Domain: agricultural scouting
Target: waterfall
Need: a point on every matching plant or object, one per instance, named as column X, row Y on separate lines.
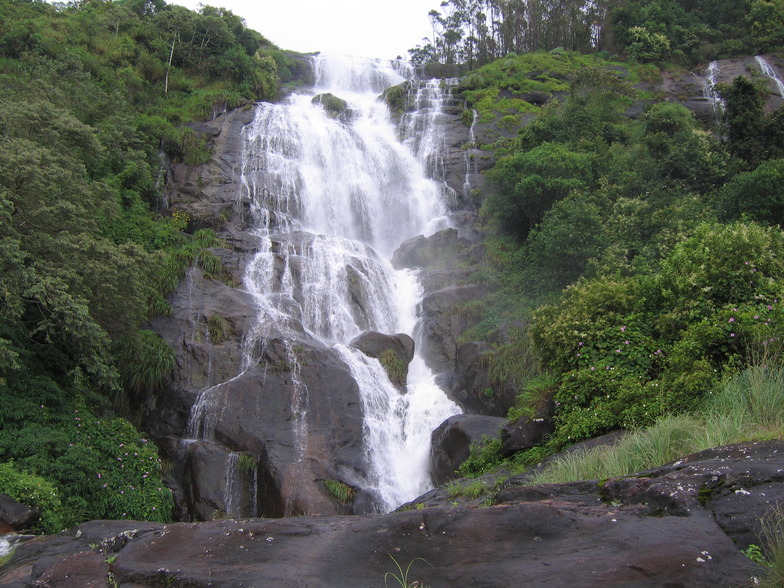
column 420, row 130
column 770, row 71
column 710, row 92
column 233, row 491
column 333, row 194
column 470, row 158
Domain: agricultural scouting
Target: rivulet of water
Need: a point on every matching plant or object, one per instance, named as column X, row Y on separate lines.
column 770, row 71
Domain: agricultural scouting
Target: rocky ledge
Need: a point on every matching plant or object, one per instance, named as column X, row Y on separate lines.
column 683, row 524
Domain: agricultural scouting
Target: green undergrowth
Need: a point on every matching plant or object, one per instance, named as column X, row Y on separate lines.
column 517, row 85
column 395, row 368
column 340, row 491
column 74, row 465
column 747, row 406
column 97, row 99
column 771, row 552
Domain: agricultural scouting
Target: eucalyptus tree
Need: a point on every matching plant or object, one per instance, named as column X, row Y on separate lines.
column 477, row 31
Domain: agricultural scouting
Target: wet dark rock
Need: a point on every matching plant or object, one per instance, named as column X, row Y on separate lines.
column 15, row 515
column 527, row 432
column 472, row 388
column 293, row 401
column 446, row 315
column 438, row 251
column 737, row 484
column 394, row 352
column 658, row 528
column 450, row 443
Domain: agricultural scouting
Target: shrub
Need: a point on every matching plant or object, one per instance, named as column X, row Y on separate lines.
column 146, row 361
column 484, row 456
column 35, row 492
column 746, row 405
column 628, row 350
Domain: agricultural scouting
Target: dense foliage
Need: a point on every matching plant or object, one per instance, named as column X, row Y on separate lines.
column 643, row 254
column 93, row 98
column 640, row 259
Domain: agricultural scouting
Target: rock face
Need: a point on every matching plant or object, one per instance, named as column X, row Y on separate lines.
column 255, row 427
column 679, row 525
column 473, row 389
column 247, row 426
column 15, row 516
column 293, row 417
column 690, row 89
column 451, row 443
column 525, row 433
column 447, row 261
column 394, row 351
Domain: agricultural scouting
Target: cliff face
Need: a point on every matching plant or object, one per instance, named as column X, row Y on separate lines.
column 269, row 425
column 689, row 88
column 258, row 406
column 250, row 411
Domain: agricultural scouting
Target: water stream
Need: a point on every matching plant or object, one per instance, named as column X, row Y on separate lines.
column 710, row 92
column 333, row 194
column 770, row 71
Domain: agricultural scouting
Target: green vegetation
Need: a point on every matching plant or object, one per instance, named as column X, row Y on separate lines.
column 513, row 89
column 476, row 32
column 334, row 105
column 772, row 554
column 219, row 329
column 746, row 406
column 247, row 464
column 401, row 578
column 395, row 368
column 94, row 94
column 643, row 255
column 340, row 491
column 484, row 455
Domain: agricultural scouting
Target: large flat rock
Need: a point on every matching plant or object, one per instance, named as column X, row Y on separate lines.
column 663, row 527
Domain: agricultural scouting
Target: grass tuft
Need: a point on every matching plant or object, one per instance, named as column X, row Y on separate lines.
column 340, row 491
column 749, row 405
column 772, row 535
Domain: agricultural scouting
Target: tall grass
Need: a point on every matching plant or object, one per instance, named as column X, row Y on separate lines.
column 772, row 535
column 749, row 405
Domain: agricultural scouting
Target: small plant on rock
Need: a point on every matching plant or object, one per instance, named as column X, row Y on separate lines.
column 340, row 491
column 401, row 578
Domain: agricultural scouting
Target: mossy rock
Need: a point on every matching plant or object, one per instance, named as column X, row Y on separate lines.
column 398, row 98
column 394, row 352
column 335, row 106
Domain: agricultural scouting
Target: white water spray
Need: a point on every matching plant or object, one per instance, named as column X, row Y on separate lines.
column 333, row 195
column 470, row 157
column 710, row 92
column 770, row 71
column 421, row 133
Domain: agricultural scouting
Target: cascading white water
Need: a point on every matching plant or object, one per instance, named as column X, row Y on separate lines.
column 469, row 157
column 710, row 92
column 421, row 133
column 333, row 195
column 770, row 71
column 233, row 491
